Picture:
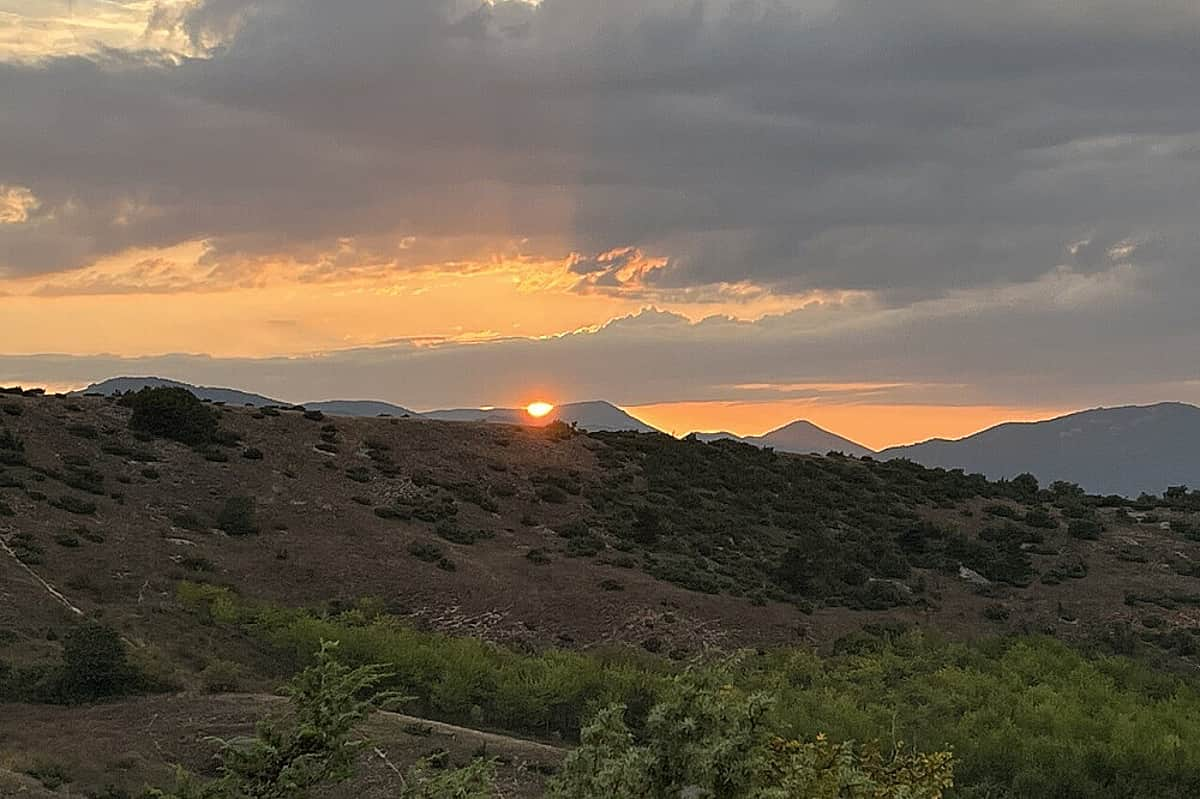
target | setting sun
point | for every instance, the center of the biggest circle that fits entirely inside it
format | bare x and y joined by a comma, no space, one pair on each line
538,409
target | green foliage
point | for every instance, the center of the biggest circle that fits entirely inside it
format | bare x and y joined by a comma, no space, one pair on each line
474,781
94,666
73,504
1025,717
238,516
173,413
726,517
315,745
704,737
1089,529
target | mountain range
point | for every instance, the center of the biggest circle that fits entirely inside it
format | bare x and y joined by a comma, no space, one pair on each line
594,415
1124,450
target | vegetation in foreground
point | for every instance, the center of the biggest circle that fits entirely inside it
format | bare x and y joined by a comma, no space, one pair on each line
1025,717
703,737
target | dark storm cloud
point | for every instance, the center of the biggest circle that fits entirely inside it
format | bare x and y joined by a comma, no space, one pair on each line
904,147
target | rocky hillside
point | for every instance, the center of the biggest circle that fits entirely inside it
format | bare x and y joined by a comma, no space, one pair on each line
550,536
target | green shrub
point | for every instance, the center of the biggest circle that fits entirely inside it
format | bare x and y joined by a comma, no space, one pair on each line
73,504
238,516
173,413
83,431
221,676
252,454
1088,529
537,555
426,551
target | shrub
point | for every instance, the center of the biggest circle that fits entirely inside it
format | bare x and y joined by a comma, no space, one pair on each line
729,751
83,431
95,665
252,454
1037,517
73,504
221,676
426,551
173,413
69,540
359,474
1088,529
10,442
238,516
537,555
314,416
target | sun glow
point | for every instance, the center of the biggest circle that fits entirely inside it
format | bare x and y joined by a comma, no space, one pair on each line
538,409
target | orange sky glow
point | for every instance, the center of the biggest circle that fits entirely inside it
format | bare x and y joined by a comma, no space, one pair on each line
874,426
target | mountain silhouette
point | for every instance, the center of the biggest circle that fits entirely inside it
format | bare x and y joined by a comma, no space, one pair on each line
800,436
1126,450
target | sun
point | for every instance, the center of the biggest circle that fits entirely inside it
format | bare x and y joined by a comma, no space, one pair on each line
538,409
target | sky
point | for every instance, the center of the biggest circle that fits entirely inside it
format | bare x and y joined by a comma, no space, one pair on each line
897,219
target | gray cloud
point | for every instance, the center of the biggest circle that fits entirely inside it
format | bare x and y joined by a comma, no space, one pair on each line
1010,189
1093,332
902,147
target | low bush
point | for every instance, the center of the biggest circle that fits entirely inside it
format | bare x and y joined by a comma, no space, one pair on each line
238,516
173,413
1088,529
73,504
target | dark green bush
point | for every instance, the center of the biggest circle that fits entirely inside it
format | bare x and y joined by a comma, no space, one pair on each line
426,551
83,431
173,413
252,454
238,516
73,504
1088,529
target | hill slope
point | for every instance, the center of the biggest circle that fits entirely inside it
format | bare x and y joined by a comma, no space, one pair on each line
800,436
1124,450
534,520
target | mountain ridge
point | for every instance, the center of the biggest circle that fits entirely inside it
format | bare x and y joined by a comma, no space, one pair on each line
799,436
1125,449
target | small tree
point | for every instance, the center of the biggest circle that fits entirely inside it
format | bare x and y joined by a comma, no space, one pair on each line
173,413
94,665
315,745
238,516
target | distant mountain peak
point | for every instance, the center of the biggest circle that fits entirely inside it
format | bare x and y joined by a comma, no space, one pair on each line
1127,450
799,435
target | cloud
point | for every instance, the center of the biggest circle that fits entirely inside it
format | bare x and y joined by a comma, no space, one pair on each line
16,204
795,145
1000,195
976,347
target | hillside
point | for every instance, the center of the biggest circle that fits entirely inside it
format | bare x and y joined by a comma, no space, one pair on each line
800,436
1126,451
613,553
